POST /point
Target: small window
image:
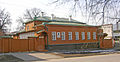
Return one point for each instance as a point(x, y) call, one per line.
point(58, 34)
point(88, 35)
point(83, 35)
point(63, 35)
point(53, 36)
point(77, 35)
point(94, 35)
point(70, 35)
point(27, 28)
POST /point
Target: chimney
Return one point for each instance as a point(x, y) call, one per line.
point(42, 14)
point(118, 24)
point(52, 16)
point(70, 17)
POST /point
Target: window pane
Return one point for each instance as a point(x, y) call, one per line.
point(88, 35)
point(94, 35)
point(54, 36)
point(83, 35)
point(63, 35)
point(70, 35)
point(58, 34)
point(77, 35)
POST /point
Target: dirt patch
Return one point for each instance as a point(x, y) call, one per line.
point(9, 58)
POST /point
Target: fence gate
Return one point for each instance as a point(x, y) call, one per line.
point(40, 43)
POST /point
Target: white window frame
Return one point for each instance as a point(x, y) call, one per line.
point(76, 35)
point(70, 35)
point(83, 35)
point(63, 35)
point(54, 36)
point(58, 34)
point(88, 35)
point(94, 35)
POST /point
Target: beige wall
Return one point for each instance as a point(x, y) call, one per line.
point(108, 29)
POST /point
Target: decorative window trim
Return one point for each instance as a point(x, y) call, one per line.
point(70, 35)
point(88, 35)
point(54, 36)
point(63, 35)
point(94, 35)
point(76, 35)
point(83, 35)
point(58, 34)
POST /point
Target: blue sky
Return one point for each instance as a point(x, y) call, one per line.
point(17, 8)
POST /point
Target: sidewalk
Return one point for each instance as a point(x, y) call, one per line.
point(36, 56)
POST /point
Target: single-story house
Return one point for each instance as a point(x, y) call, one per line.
point(61, 33)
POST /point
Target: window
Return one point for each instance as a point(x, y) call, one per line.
point(88, 35)
point(63, 35)
point(53, 36)
point(94, 35)
point(27, 28)
point(77, 35)
point(58, 34)
point(70, 35)
point(83, 35)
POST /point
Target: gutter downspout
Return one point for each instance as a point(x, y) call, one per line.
point(47, 37)
point(98, 37)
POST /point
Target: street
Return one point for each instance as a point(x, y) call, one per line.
point(99, 58)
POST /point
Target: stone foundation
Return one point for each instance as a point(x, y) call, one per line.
point(73, 46)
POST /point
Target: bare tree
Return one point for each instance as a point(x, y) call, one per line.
point(96, 10)
point(4, 20)
point(21, 25)
point(31, 13)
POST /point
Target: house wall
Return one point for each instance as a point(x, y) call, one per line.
point(29, 26)
point(15, 36)
point(1, 33)
point(26, 35)
point(39, 28)
point(32, 24)
point(73, 29)
point(108, 28)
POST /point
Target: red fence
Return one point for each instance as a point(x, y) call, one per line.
point(106, 43)
point(21, 45)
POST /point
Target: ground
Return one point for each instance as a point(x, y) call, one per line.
point(51, 56)
point(99, 58)
point(9, 58)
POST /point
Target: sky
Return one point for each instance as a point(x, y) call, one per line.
point(16, 8)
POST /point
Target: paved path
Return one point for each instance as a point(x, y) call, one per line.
point(35, 56)
point(100, 58)
point(26, 56)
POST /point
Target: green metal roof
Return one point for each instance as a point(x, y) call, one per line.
point(57, 19)
point(63, 23)
point(5, 36)
point(40, 31)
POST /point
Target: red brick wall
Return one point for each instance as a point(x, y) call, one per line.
point(73, 29)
